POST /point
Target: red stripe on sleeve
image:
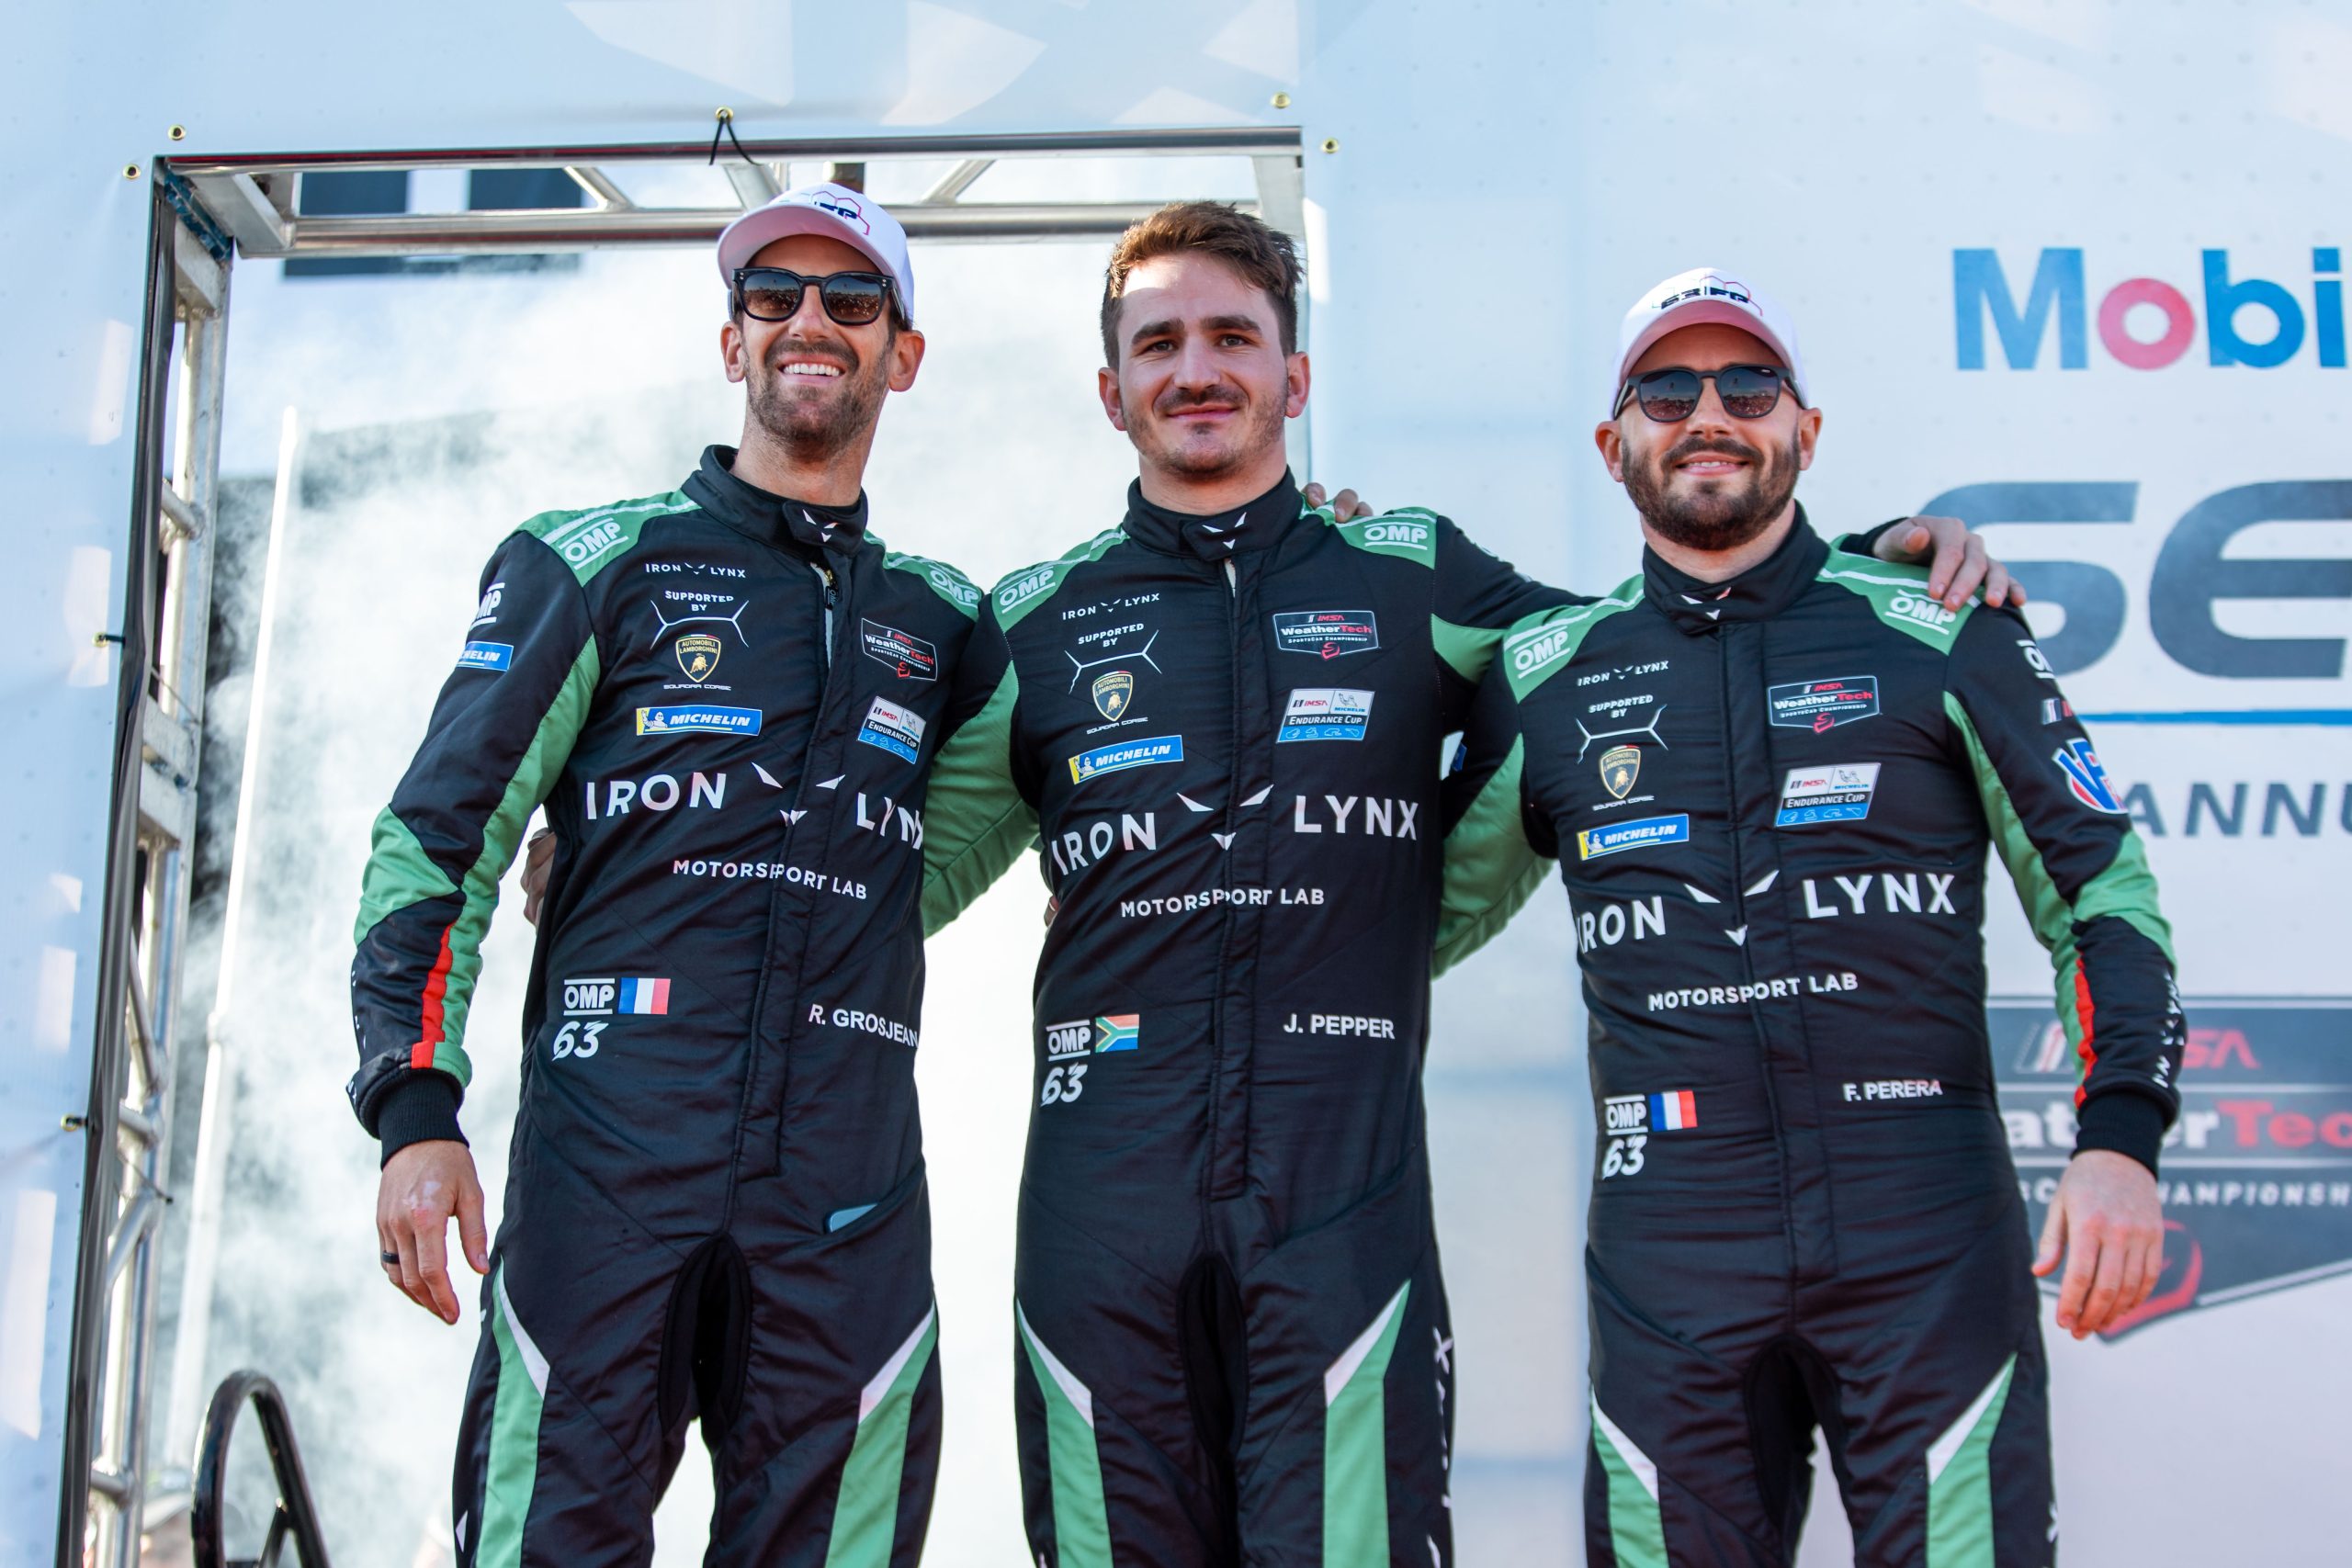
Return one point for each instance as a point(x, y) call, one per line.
point(2088, 1049)
point(436, 987)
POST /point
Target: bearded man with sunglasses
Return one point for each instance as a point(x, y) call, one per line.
point(727, 696)
point(1219, 721)
point(1771, 773)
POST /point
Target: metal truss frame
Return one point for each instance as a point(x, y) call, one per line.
point(206, 210)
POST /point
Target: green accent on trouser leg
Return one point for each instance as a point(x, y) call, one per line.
point(1355, 1444)
point(513, 1467)
point(1082, 1524)
point(865, 1514)
point(1960, 1480)
point(1636, 1527)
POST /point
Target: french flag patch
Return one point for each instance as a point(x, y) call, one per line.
point(653, 996)
point(1669, 1113)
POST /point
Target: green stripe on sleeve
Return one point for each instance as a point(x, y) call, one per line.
point(1960, 1480)
point(513, 1471)
point(1467, 650)
point(501, 835)
point(1082, 1523)
point(399, 873)
point(1491, 871)
point(976, 822)
point(1636, 1526)
point(865, 1512)
point(1355, 1443)
point(2125, 889)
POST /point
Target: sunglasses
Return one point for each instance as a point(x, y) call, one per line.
point(1749, 391)
point(774, 294)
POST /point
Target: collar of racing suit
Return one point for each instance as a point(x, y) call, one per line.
point(1758, 593)
point(773, 519)
point(1257, 526)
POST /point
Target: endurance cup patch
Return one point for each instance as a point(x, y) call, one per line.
point(1618, 837)
point(897, 731)
point(1325, 713)
point(1839, 792)
point(1822, 706)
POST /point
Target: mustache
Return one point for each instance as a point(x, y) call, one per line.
point(1179, 398)
point(839, 353)
point(1722, 447)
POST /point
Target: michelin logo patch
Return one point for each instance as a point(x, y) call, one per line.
point(1840, 793)
point(897, 731)
point(1820, 706)
point(492, 656)
point(1125, 755)
point(1325, 713)
point(1618, 837)
point(1327, 634)
point(697, 717)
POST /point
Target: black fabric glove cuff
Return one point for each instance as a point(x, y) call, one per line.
point(2127, 1123)
point(422, 1106)
point(1866, 543)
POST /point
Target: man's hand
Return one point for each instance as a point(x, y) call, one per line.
point(1347, 506)
point(1960, 563)
point(422, 1187)
point(538, 865)
point(2109, 1222)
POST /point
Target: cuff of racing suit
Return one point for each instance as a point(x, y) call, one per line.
point(419, 1108)
point(1866, 542)
point(2127, 1123)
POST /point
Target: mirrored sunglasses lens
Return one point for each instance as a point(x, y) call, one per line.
point(771, 300)
point(852, 301)
point(1749, 391)
point(1669, 395)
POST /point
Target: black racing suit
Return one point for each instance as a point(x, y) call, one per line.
point(1770, 800)
point(1232, 1340)
point(716, 1204)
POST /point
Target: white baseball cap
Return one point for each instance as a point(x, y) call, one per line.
point(832, 212)
point(1705, 294)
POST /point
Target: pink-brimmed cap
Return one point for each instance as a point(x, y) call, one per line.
point(832, 212)
point(1706, 293)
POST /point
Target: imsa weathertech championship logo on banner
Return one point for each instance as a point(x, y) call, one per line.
point(2258, 1173)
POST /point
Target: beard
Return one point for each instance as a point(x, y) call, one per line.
point(1261, 426)
point(814, 429)
point(1714, 515)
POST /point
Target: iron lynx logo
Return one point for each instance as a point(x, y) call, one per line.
point(2144, 323)
point(2257, 1172)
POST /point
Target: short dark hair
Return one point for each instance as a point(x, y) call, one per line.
point(1261, 254)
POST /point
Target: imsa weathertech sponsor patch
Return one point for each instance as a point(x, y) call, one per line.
point(1839, 792)
point(1618, 837)
point(909, 656)
point(1822, 706)
point(1327, 634)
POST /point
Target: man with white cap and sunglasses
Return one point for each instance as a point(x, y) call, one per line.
point(726, 698)
point(1769, 772)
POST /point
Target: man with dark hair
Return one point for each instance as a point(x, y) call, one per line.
point(1769, 774)
point(1220, 720)
point(726, 696)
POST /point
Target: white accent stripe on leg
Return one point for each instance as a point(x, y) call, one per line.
point(871, 1394)
point(1636, 1460)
